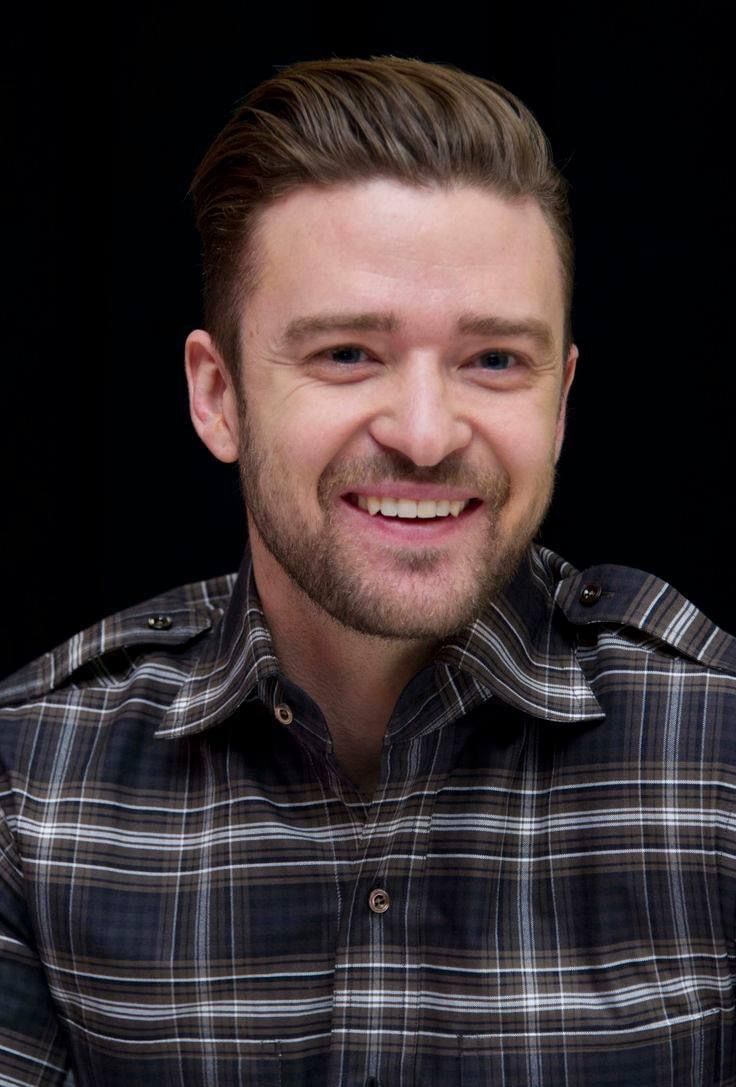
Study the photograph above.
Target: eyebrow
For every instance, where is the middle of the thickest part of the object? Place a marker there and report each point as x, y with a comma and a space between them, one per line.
302, 327
532, 328
469, 324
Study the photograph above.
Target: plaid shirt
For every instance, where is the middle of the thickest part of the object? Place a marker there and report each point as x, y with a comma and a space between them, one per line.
540, 894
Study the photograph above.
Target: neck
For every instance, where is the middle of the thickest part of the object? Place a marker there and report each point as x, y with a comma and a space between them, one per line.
354, 678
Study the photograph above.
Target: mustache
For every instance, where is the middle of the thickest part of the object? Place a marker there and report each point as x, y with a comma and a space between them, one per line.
390, 466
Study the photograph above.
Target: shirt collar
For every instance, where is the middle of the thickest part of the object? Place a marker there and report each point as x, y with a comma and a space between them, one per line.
521, 647
518, 649
234, 666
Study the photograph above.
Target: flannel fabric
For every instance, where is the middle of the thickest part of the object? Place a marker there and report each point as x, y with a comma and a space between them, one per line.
541, 892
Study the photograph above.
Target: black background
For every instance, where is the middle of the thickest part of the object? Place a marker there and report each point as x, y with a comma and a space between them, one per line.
108, 496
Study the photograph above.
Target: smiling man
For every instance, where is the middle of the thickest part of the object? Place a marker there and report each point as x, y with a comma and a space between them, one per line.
397, 417
409, 800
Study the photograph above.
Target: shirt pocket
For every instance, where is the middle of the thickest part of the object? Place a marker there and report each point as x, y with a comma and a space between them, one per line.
259, 1065
688, 1051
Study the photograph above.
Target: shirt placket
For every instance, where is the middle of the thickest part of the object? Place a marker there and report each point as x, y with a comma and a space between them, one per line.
377, 946
379, 880
380, 950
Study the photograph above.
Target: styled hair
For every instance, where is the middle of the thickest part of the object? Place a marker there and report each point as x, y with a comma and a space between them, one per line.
337, 121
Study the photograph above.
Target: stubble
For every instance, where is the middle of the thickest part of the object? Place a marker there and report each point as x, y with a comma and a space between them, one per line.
330, 570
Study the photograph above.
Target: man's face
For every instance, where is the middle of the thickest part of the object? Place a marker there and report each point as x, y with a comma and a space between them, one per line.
402, 352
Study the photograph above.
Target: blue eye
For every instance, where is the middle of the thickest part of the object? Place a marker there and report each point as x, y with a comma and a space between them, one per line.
338, 354
496, 360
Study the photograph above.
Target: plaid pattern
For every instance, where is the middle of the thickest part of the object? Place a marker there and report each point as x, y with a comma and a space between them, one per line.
185, 881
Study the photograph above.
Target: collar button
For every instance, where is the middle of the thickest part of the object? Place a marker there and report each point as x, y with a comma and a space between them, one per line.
283, 714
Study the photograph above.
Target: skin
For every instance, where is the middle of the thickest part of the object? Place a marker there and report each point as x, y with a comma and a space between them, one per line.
358, 604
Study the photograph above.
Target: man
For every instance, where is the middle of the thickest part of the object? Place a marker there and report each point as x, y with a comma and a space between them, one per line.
411, 800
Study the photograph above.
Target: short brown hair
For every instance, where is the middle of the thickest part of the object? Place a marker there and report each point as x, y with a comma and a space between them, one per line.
331, 122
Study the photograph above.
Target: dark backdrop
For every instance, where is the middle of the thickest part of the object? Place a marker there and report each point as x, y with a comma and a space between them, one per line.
108, 497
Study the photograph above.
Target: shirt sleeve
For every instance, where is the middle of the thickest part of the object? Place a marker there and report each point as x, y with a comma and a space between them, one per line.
32, 1051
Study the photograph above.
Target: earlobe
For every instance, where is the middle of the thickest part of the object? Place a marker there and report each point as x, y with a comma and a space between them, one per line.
213, 402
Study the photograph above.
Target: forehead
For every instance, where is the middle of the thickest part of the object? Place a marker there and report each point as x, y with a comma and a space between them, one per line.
428, 252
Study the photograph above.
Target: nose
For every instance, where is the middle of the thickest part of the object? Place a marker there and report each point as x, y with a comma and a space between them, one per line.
421, 416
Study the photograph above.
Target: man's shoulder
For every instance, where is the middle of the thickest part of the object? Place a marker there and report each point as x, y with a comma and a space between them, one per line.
609, 599
108, 653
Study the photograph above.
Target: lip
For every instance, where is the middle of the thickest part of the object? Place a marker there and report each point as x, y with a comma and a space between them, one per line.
418, 491
405, 530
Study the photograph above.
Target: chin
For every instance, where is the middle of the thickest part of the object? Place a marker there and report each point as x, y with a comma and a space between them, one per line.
411, 615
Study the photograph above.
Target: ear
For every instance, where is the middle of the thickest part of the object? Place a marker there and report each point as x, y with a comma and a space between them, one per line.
213, 401
567, 379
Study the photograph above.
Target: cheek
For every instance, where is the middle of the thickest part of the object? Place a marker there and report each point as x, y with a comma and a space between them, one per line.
523, 443
304, 449
327, 429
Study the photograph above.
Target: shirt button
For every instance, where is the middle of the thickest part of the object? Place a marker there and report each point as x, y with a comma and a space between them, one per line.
379, 900
159, 622
590, 594
284, 714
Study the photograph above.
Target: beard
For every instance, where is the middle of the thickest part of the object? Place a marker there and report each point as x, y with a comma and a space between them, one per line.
402, 600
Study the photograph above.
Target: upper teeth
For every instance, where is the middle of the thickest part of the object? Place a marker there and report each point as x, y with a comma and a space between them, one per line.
407, 507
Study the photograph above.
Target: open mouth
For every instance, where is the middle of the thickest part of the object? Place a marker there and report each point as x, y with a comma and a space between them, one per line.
409, 509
